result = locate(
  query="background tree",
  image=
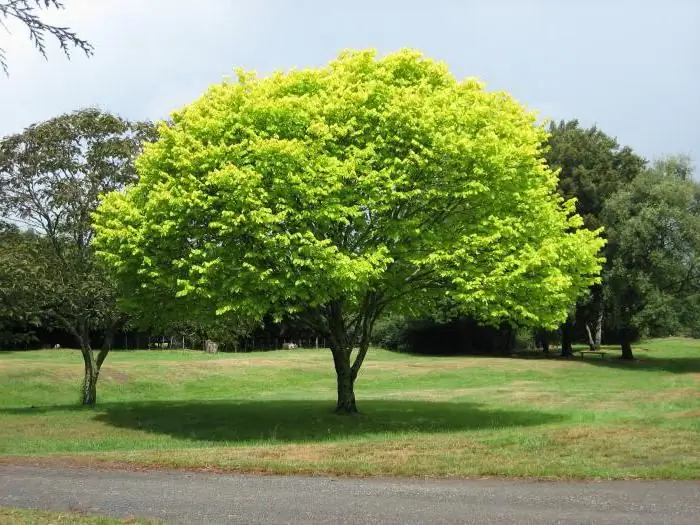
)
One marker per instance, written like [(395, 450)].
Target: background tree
[(338, 194), (25, 11), (653, 272), (51, 176), (592, 166)]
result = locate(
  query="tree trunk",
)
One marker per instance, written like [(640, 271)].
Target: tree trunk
[(566, 346), (346, 393), (542, 339), (599, 330), (591, 342), (92, 372), (626, 344), (345, 379)]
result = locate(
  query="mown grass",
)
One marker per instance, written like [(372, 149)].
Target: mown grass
[(421, 416), (40, 517)]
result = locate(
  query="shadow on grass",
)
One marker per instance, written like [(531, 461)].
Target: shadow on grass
[(290, 421), (679, 365)]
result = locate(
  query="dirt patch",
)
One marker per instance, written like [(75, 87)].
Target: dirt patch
[(598, 434), (421, 367), (115, 375), (524, 383), (295, 453), (235, 363), (676, 394), (687, 414)]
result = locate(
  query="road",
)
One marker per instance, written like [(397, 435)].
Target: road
[(181, 497)]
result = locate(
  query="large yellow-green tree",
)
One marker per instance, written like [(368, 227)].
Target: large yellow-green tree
[(340, 193)]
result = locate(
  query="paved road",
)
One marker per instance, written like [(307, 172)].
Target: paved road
[(178, 497)]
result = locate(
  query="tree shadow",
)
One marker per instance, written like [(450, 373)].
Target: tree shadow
[(642, 361), (678, 365), (291, 421)]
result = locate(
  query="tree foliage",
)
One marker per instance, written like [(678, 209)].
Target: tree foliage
[(337, 194), (653, 272), (22, 280), (592, 166), (51, 176), (25, 11)]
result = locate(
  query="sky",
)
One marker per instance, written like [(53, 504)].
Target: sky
[(631, 67)]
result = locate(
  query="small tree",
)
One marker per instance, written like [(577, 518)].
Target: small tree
[(653, 272), (338, 194), (51, 175)]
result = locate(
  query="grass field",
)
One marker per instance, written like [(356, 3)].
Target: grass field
[(40, 517), (421, 416)]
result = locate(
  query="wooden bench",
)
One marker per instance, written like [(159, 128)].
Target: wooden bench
[(594, 352)]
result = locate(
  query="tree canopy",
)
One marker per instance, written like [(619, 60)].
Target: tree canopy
[(339, 193), (653, 272), (592, 166), (51, 176)]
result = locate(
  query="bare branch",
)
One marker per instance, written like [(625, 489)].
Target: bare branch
[(25, 11)]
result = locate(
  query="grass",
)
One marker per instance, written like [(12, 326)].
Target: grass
[(421, 416), (40, 517)]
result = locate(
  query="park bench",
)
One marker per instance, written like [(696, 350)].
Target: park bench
[(594, 352)]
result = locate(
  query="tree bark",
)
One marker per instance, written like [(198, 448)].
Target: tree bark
[(92, 372), (345, 380), (566, 343), (599, 329), (626, 344), (591, 342), (543, 340), (346, 393)]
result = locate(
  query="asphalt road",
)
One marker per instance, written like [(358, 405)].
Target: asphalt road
[(179, 497)]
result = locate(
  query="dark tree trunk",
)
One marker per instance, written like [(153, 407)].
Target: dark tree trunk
[(342, 338), (543, 340), (566, 333), (346, 394), (92, 372), (626, 344)]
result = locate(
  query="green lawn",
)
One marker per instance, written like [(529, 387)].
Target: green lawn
[(421, 416)]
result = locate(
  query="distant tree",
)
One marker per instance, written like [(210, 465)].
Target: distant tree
[(51, 177), (25, 11), (653, 272), (592, 166), (341, 193)]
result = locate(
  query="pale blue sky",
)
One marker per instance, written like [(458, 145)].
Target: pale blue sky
[(632, 67)]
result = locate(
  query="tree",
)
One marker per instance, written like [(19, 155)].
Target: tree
[(592, 166), (337, 194), (25, 12), (51, 176), (653, 273), (22, 276)]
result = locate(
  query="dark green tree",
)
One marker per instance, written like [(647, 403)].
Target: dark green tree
[(592, 166), (51, 177), (652, 279)]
